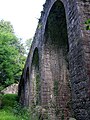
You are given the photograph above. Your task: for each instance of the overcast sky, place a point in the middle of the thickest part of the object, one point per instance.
(22, 14)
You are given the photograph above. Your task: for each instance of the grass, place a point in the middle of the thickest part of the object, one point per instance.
(12, 110)
(8, 108)
(9, 100)
(7, 115)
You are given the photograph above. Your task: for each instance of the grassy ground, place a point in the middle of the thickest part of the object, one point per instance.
(10, 110)
(8, 115)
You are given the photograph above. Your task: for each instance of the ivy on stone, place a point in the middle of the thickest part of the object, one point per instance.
(87, 23)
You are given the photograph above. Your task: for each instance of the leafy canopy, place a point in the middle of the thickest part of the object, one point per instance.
(11, 55)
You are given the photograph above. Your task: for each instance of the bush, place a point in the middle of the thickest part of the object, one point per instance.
(9, 100)
(7, 115)
(12, 110)
(22, 112)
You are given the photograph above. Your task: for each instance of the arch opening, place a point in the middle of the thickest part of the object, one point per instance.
(56, 62)
(27, 87)
(35, 95)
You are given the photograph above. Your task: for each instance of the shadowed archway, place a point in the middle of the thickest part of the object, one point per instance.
(35, 95)
(55, 85)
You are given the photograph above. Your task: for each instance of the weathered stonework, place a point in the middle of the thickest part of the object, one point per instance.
(56, 75)
(12, 89)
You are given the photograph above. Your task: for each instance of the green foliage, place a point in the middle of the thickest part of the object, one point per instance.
(11, 55)
(24, 112)
(9, 100)
(1, 88)
(7, 115)
(87, 23)
(28, 44)
(39, 26)
(12, 110)
(5, 26)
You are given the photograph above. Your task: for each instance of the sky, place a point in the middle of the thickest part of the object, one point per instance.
(23, 15)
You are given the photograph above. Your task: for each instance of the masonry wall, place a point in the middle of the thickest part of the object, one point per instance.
(79, 38)
(53, 65)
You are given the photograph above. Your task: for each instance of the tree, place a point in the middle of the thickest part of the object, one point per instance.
(11, 55)
(5, 26)
(28, 44)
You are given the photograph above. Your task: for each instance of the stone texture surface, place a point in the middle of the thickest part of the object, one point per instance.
(12, 89)
(60, 56)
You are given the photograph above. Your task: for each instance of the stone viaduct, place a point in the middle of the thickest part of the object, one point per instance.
(56, 75)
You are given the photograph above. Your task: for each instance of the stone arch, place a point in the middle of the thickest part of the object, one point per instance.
(21, 92)
(78, 39)
(23, 88)
(35, 98)
(55, 90)
(78, 52)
